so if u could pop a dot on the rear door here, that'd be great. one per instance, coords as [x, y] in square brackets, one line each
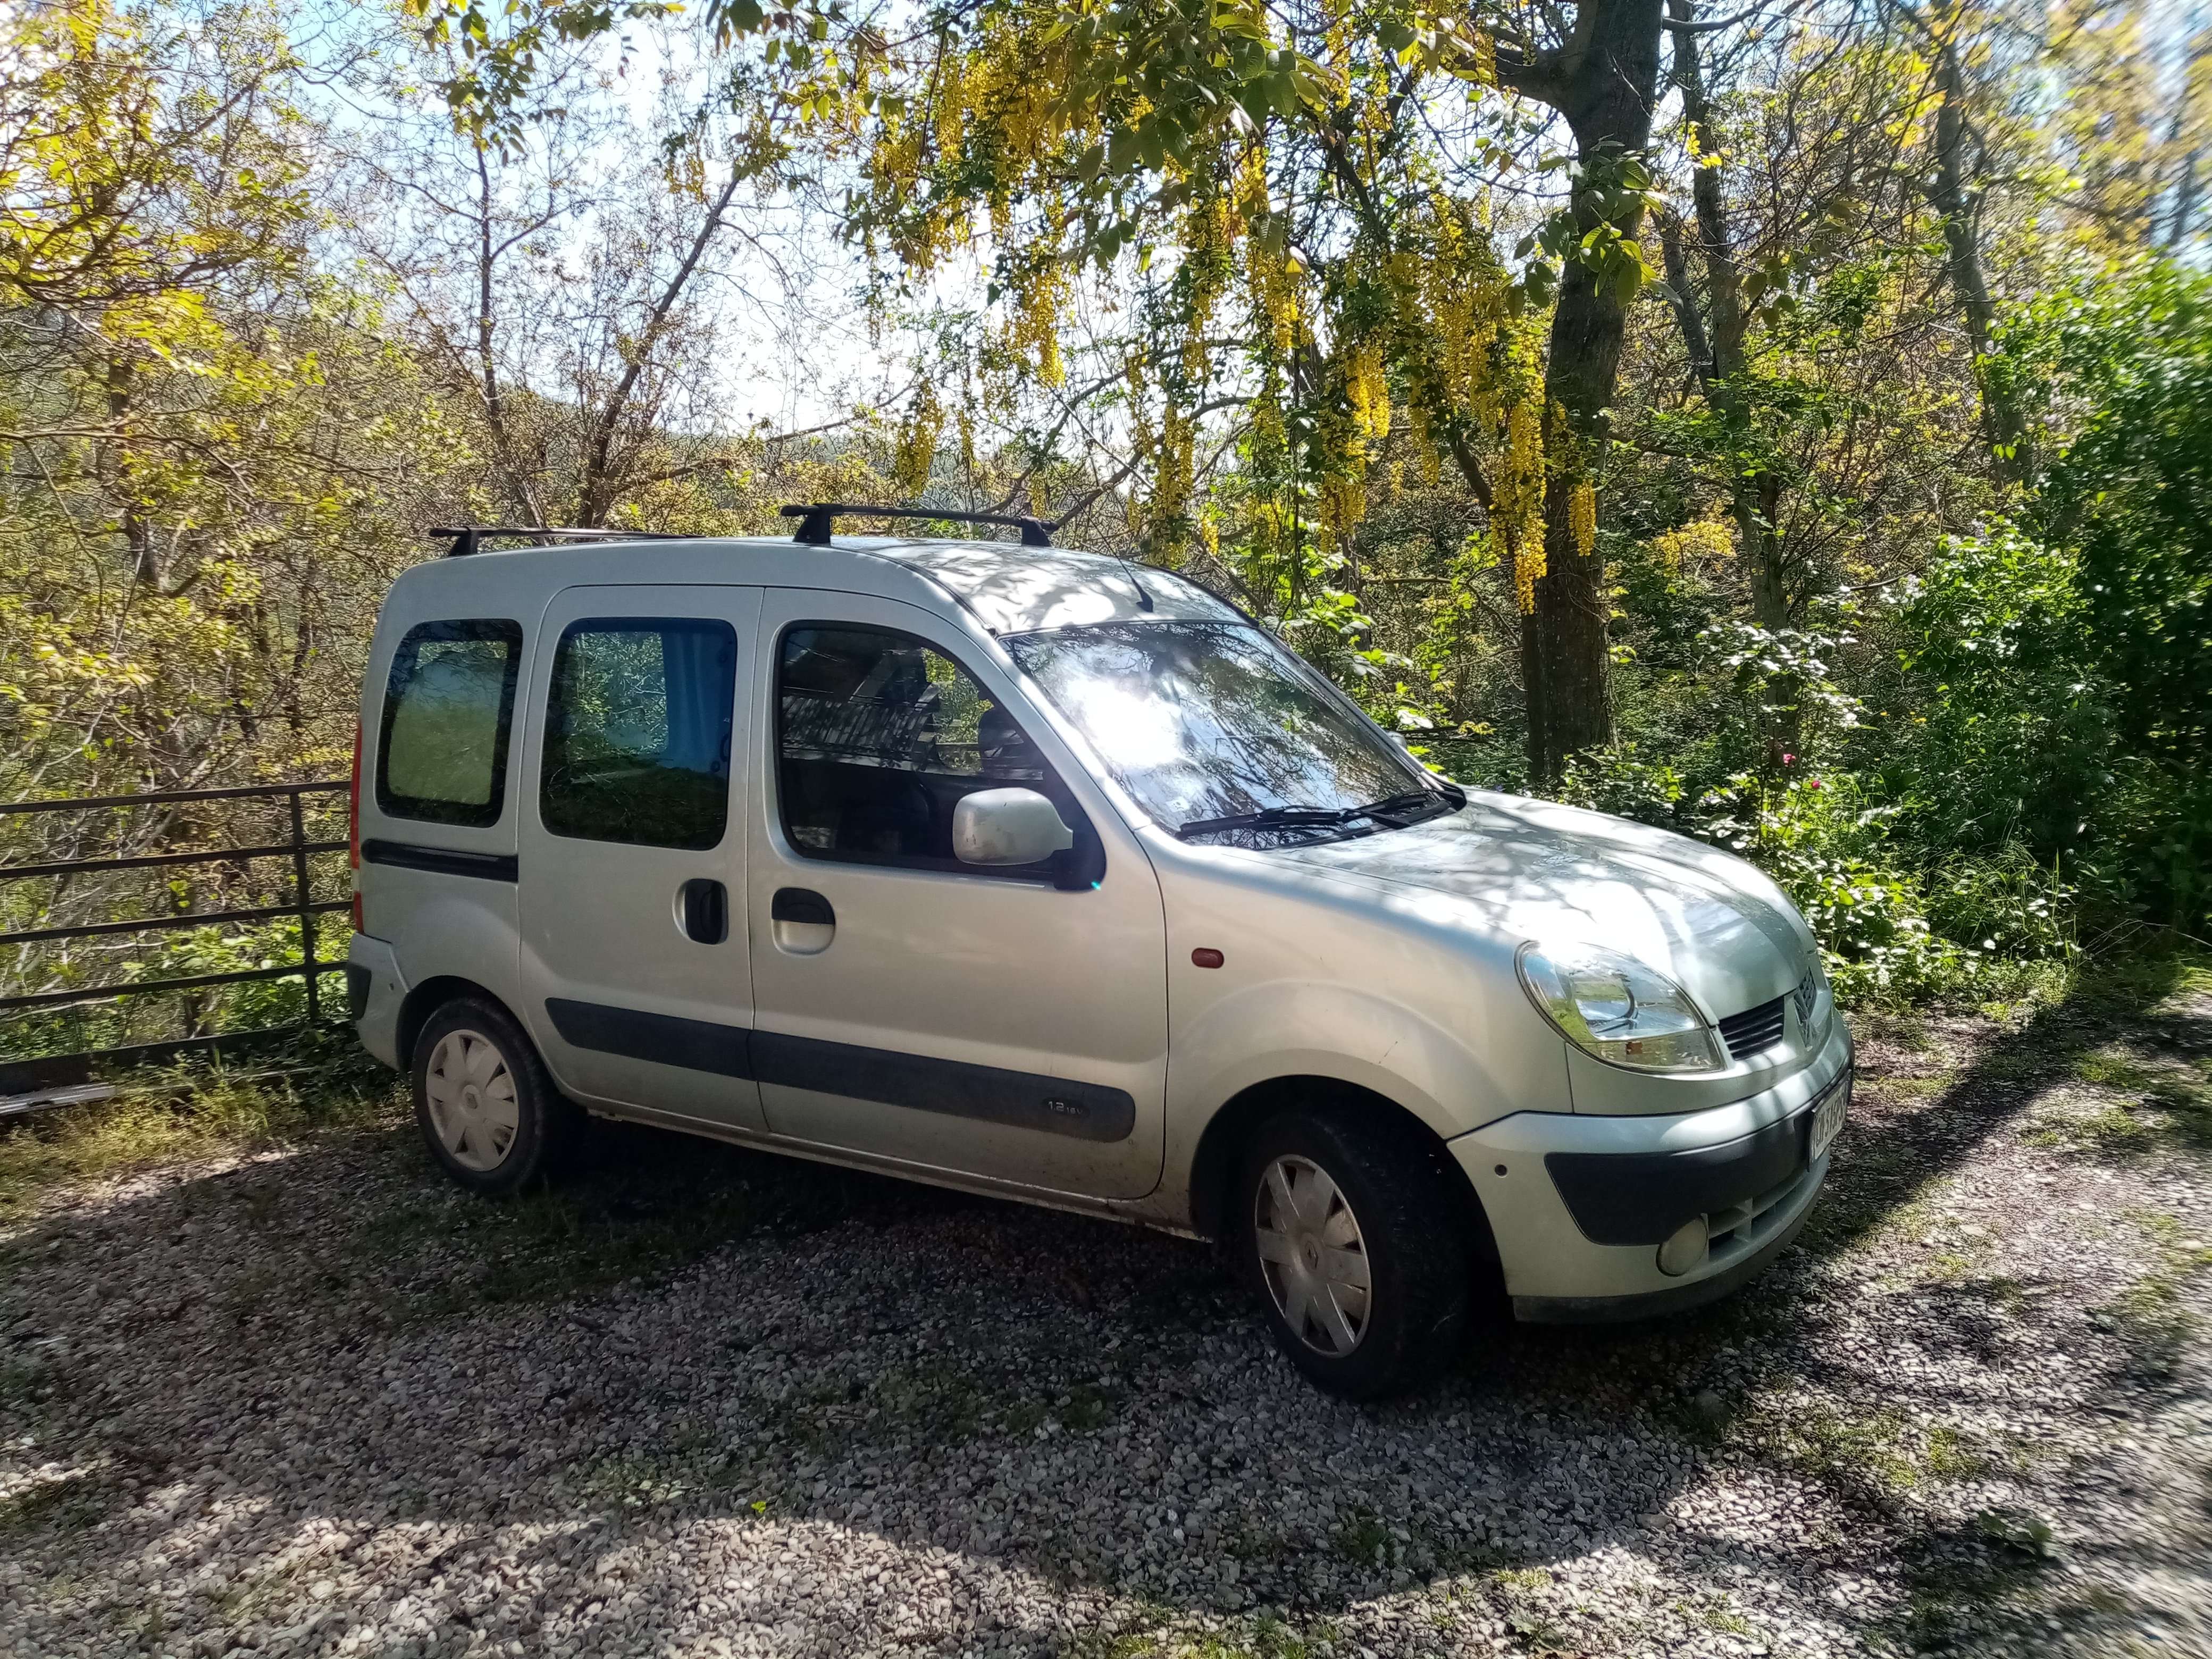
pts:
[632, 855]
[986, 1022]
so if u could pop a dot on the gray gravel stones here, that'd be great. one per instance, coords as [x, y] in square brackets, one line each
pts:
[230, 1423]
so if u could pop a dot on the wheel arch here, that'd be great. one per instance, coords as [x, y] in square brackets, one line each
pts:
[425, 999]
[1213, 1166]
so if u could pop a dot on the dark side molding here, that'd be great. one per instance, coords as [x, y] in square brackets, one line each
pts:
[922, 1083]
[441, 861]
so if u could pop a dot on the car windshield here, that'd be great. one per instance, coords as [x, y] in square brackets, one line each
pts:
[1222, 734]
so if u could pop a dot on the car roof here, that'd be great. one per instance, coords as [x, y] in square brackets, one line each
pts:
[1010, 588]
[1019, 590]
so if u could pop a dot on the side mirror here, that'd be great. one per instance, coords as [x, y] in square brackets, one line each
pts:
[1007, 826]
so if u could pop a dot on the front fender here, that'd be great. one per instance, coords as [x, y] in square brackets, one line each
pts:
[1397, 992]
[1314, 1029]
[1305, 1029]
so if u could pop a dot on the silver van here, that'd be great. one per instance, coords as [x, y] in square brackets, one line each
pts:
[1033, 873]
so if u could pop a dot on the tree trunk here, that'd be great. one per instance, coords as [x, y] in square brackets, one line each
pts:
[1955, 197]
[1566, 654]
[137, 541]
[1754, 493]
[1603, 81]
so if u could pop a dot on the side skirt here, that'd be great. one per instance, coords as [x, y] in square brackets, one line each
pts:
[1131, 1212]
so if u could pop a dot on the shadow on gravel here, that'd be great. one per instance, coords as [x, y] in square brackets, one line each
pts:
[686, 1335]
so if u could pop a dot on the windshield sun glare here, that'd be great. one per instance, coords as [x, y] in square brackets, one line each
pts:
[1203, 721]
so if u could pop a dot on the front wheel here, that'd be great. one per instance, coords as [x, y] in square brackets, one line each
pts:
[489, 1112]
[1350, 1236]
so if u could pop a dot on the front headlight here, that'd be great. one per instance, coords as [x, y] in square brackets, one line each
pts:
[1613, 1006]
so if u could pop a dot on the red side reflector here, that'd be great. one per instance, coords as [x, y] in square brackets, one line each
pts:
[359, 926]
[1205, 957]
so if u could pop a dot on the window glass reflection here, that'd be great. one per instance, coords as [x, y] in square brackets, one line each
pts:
[1204, 720]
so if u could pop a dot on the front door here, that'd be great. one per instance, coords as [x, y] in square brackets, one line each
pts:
[1006, 1023]
[632, 865]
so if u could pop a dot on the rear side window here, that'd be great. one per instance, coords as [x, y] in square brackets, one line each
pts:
[442, 753]
[637, 731]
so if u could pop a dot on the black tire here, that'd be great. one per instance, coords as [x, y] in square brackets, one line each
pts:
[545, 1123]
[1415, 1241]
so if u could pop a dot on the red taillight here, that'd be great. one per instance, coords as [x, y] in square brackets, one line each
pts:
[353, 807]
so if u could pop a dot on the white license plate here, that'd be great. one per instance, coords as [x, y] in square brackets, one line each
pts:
[1828, 1116]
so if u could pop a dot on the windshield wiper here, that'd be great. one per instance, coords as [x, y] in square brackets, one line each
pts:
[1450, 795]
[1302, 817]
[1269, 817]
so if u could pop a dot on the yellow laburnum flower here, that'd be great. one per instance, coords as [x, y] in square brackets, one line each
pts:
[1581, 516]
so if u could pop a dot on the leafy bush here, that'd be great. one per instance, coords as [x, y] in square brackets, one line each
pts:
[2126, 507]
[2001, 730]
[1616, 780]
[1825, 846]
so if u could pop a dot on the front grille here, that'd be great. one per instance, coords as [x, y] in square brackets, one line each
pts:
[1754, 1030]
[1806, 993]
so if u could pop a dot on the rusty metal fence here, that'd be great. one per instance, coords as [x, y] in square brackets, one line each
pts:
[287, 892]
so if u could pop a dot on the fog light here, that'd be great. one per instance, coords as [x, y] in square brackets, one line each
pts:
[1685, 1249]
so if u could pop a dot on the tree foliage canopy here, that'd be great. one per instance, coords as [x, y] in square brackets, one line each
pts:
[1785, 425]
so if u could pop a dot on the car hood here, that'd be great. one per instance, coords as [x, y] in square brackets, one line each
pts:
[1535, 870]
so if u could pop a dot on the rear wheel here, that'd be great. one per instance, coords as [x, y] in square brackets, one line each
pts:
[488, 1111]
[1350, 1237]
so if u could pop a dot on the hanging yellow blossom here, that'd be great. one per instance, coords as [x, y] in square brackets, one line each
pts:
[1581, 515]
[917, 444]
[1369, 392]
[1530, 566]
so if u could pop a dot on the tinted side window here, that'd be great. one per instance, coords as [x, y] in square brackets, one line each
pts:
[442, 753]
[637, 731]
[881, 736]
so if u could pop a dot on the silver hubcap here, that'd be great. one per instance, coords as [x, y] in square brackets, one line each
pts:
[1312, 1255]
[471, 1095]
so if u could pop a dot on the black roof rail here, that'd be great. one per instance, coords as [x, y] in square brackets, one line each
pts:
[814, 525]
[469, 538]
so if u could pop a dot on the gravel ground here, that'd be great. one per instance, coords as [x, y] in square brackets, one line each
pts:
[313, 1401]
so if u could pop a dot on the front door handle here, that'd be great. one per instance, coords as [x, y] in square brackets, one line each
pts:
[803, 905]
[704, 906]
[801, 921]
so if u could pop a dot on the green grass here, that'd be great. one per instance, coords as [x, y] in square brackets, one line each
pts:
[1361, 1538]
[1720, 1616]
[436, 1253]
[2150, 1313]
[72, 1504]
[1882, 1453]
[1955, 1599]
[1264, 1636]
[201, 1109]
[2168, 1104]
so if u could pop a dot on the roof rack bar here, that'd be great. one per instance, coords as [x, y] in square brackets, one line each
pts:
[815, 527]
[469, 538]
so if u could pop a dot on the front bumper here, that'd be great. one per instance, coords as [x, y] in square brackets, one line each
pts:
[1578, 1205]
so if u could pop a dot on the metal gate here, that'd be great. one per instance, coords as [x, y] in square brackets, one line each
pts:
[292, 846]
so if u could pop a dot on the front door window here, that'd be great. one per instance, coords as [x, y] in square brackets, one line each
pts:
[880, 737]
